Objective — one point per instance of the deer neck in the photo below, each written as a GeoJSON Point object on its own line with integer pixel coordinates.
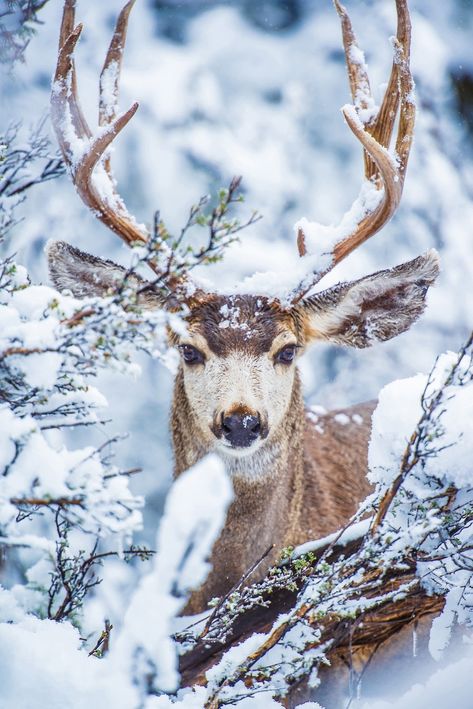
{"type": "Point", "coordinates": [268, 494]}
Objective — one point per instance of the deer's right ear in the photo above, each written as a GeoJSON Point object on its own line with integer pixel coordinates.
{"type": "Point", "coordinates": [86, 275]}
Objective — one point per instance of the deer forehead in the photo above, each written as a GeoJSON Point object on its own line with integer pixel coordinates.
{"type": "Point", "coordinates": [247, 325]}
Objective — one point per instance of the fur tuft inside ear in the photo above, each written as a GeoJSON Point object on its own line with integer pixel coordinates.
{"type": "Point", "coordinates": [86, 275]}
{"type": "Point", "coordinates": [375, 308]}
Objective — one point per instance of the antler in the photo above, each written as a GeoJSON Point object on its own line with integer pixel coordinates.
{"type": "Point", "coordinates": [385, 172]}
{"type": "Point", "coordinates": [85, 152]}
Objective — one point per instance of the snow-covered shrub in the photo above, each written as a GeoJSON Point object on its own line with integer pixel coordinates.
{"type": "Point", "coordinates": [143, 656]}
{"type": "Point", "coordinates": [50, 347]}
{"type": "Point", "coordinates": [56, 502]}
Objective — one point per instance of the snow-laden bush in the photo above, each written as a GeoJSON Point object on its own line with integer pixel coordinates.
{"type": "Point", "coordinates": [58, 504]}
{"type": "Point", "coordinates": [143, 656]}
{"type": "Point", "coordinates": [50, 347]}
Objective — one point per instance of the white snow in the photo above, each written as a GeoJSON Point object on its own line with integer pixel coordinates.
{"type": "Point", "coordinates": [232, 658]}
{"type": "Point", "coordinates": [108, 85]}
{"type": "Point", "coordinates": [442, 625]}
{"type": "Point", "coordinates": [342, 419]}
{"type": "Point", "coordinates": [42, 666]}
{"type": "Point", "coordinates": [394, 420]}
{"type": "Point", "coordinates": [447, 687]}
{"type": "Point", "coordinates": [457, 422]}
{"type": "Point", "coordinates": [193, 518]}
{"type": "Point", "coordinates": [354, 531]}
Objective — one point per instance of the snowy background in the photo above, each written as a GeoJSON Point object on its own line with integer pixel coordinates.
{"type": "Point", "coordinates": [254, 88]}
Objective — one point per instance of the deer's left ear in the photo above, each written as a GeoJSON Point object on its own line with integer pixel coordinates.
{"type": "Point", "coordinates": [374, 308]}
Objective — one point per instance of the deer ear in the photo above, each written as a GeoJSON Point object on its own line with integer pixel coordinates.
{"type": "Point", "coordinates": [374, 308]}
{"type": "Point", "coordinates": [86, 275]}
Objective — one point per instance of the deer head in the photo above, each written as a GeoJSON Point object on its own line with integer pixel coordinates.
{"type": "Point", "coordinates": [238, 356]}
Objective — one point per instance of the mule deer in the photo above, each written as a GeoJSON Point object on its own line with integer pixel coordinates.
{"type": "Point", "coordinates": [237, 391]}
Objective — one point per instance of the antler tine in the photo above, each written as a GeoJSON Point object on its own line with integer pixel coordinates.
{"type": "Point", "coordinates": [101, 197]}
{"type": "Point", "coordinates": [67, 29]}
{"type": "Point", "coordinates": [84, 153]}
{"type": "Point", "coordinates": [407, 113]}
{"type": "Point", "coordinates": [386, 172]}
{"type": "Point", "coordinates": [383, 125]}
{"type": "Point", "coordinates": [110, 76]}
{"type": "Point", "coordinates": [81, 151]}
{"type": "Point", "coordinates": [358, 78]}
{"type": "Point", "coordinates": [357, 74]}
{"type": "Point", "coordinates": [387, 168]}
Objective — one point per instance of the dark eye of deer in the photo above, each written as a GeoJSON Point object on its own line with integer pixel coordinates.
{"type": "Point", "coordinates": [191, 355]}
{"type": "Point", "coordinates": [286, 355]}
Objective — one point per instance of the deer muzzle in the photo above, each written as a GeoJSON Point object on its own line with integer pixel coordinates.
{"type": "Point", "coordinates": [240, 428]}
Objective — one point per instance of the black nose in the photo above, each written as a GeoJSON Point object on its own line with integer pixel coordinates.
{"type": "Point", "coordinates": [241, 429]}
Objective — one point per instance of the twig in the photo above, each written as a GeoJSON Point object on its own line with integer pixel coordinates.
{"type": "Point", "coordinates": [103, 641]}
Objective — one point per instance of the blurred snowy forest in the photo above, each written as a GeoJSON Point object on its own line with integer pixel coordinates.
{"type": "Point", "coordinates": [253, 88]}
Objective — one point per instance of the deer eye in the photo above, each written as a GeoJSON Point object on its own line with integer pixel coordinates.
{"type": "Point", "coordinates": [286, 355]}
{"type": "Point", "coordinates": [191, 355]}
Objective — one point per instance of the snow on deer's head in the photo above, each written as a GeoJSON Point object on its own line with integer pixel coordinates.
{"type": "Point", "coordinates": [239, 354]}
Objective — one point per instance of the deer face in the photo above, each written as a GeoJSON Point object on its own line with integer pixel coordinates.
{"type": "Point", "coordinates": [239, 356]}
{"type": "Point", "coordinates": [239, 352]}
{"type": "Point", "coordinates": [238, 362]}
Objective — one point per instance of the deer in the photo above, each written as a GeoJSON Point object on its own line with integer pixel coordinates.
{"type": "Point", "coordinates": [237, 391]}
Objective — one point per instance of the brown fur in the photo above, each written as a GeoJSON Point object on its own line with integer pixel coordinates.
{"type": "Point", "coordinates": [257, 322]}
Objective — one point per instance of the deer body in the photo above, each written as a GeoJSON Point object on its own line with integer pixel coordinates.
{"type": "Point", "coordinates": [237, 391]}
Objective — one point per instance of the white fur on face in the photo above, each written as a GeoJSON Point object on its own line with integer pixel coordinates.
{"type": "Point", "coordinates": [240, 379]}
